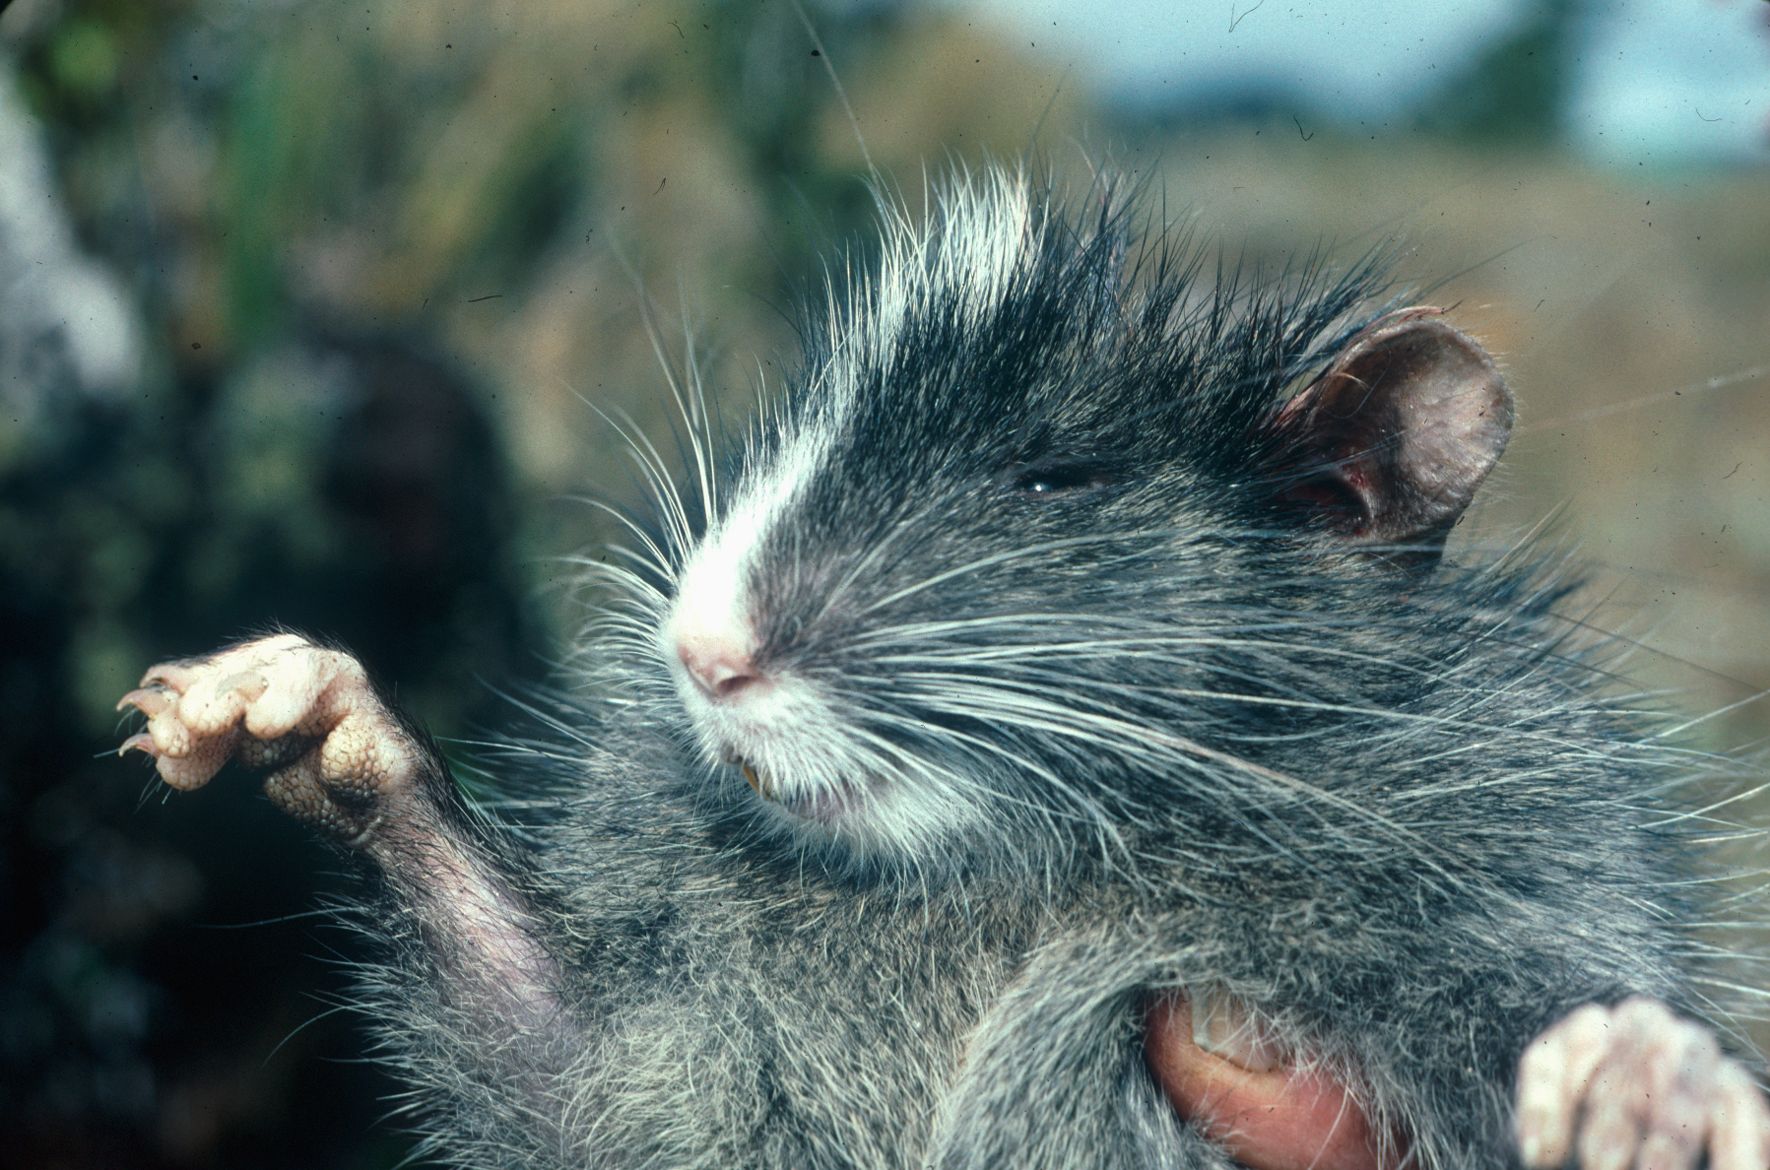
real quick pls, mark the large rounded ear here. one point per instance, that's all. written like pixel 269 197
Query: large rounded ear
pixel 1389 445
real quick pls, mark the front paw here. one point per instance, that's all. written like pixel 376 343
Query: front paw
pixel 1634 1087
pixel 338 758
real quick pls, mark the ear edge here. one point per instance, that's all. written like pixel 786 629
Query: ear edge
pixel 1399 433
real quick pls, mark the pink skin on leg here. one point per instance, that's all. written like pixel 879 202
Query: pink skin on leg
pixel 340 761
pixel 1629 1087
pixel 1275 1119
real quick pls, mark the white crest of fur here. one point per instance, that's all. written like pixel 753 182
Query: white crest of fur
pixel 980 236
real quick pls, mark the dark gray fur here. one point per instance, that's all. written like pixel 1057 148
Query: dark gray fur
pixel 1399 810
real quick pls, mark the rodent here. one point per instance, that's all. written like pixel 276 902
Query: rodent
pixel 1071 631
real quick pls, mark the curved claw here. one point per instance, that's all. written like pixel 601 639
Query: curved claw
pixel 140 742
pixel 172 676
pixel 149 700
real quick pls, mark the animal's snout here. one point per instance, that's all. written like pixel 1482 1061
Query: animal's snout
pixel 721 664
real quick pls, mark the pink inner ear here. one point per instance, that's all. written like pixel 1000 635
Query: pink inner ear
pixel 1393 440
pixel 1340 496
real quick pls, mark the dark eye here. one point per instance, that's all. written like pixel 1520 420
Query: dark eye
pixel 1045 480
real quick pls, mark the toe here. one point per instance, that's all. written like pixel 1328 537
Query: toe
pixel 1678 1068
pixel 1741 1123
pixel 1612 1133
pixel 1667 1151
pixel 296 680
pixel 197 766
pixel 215 701
pixel 171 736
pixel 1554 1076
pixel 1618 1100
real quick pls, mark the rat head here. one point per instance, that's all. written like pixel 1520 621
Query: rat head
pixel 1039 532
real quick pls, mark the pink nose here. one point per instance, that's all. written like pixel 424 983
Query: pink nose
pixel 720 667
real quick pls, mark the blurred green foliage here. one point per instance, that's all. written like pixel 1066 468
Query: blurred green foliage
pixel 1514 93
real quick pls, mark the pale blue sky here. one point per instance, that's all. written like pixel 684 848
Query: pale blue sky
pixel 1656 81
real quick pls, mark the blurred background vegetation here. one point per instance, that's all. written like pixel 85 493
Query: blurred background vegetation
pixel 339 285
